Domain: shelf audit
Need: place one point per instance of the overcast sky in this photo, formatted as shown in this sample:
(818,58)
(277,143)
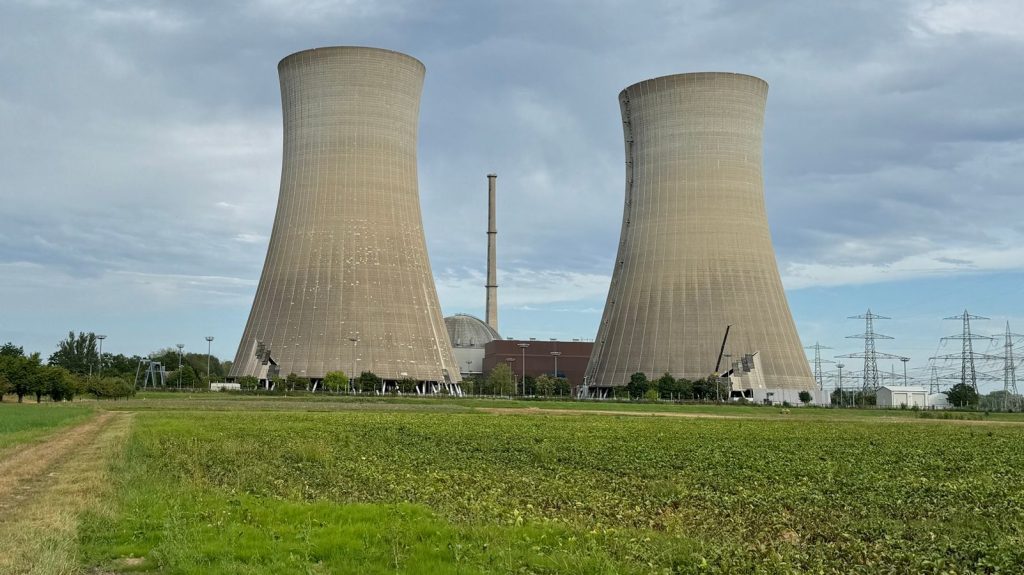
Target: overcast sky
(140,155)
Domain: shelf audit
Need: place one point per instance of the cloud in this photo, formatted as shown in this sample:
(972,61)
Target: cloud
(950,17)
(141,141)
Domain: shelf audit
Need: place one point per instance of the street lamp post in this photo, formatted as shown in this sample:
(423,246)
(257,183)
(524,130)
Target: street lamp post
(101,338)
(840,366)
(904,360)
(555,355)
(209,347)
(510,361)
(523,347)
(351,379)
(180,346)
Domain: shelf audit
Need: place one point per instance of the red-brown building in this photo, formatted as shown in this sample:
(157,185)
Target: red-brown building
(540,357)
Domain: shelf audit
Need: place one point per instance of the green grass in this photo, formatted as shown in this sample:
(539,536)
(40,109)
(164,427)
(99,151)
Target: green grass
(375,491)
(24,422)
(229,401)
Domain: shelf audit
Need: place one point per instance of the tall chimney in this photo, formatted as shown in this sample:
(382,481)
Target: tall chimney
(492,263)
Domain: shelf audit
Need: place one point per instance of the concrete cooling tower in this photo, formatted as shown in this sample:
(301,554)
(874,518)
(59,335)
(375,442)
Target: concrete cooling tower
(347,284)
(695,254)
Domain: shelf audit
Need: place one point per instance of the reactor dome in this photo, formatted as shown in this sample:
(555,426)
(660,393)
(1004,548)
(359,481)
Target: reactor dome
(465,331)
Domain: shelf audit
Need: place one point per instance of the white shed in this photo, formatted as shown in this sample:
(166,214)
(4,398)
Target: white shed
(891,396)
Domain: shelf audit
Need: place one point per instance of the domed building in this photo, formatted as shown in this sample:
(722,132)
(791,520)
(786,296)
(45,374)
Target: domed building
(469,335)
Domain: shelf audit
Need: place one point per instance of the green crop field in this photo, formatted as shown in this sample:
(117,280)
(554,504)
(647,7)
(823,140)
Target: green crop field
(374,487)
(21,423)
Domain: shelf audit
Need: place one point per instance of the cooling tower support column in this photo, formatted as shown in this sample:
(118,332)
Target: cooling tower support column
(347,284)
(695,253)
(492,264)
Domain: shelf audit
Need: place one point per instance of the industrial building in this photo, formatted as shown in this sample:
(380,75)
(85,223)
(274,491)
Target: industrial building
(469,335)
(534,358)
(909,397)
(695,254)
(347,283)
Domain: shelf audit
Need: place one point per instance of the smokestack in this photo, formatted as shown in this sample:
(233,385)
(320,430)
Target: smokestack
(492,263)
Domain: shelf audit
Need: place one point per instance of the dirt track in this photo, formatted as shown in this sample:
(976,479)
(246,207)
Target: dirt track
(23,468)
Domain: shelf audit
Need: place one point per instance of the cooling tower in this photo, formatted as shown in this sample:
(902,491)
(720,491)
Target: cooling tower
(695,254)
(347,283)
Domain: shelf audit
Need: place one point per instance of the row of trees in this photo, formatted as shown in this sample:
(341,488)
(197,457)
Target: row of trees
(668,387)
(334,381)
(25,375)
(79,355)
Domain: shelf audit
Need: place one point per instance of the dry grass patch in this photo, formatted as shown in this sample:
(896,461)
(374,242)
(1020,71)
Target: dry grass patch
(44,488)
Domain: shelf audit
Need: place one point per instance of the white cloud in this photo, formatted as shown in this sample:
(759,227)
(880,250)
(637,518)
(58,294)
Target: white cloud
(931,263)
(1004,18)
(521,288)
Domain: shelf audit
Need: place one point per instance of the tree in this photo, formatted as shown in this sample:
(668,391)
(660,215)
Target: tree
(296,383)
(335,381)
(19,370)
(668,387)
(469,385)
(109,387)
(544,385)
(407,385)
(499,380)
(638,385)
(805,397)
(368,382)
(962,395)
(5,386)
(76,354)
(529,385)
(685,388)
(562,387)
(11,350)
(51,380)
(249,382)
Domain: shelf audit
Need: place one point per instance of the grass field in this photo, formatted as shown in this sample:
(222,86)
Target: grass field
(230,485)
(21,423)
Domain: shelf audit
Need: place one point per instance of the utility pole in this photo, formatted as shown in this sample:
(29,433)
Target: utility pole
(817,347)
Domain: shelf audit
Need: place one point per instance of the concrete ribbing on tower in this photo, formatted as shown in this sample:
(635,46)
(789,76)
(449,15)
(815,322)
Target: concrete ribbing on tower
(347,284)
(492,262)
(695,253)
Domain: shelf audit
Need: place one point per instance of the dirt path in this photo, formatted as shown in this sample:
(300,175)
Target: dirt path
(46,486)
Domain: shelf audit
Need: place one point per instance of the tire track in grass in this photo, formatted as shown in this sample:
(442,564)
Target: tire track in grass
(45,487)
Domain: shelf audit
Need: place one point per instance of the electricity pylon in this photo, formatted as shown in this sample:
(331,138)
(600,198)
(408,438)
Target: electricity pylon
(817,347)
(967,356)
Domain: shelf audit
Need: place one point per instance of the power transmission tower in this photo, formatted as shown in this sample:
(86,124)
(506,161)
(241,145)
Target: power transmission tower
(968,373)
(817,347)
(1011,398)
(933,383)
(870,355)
